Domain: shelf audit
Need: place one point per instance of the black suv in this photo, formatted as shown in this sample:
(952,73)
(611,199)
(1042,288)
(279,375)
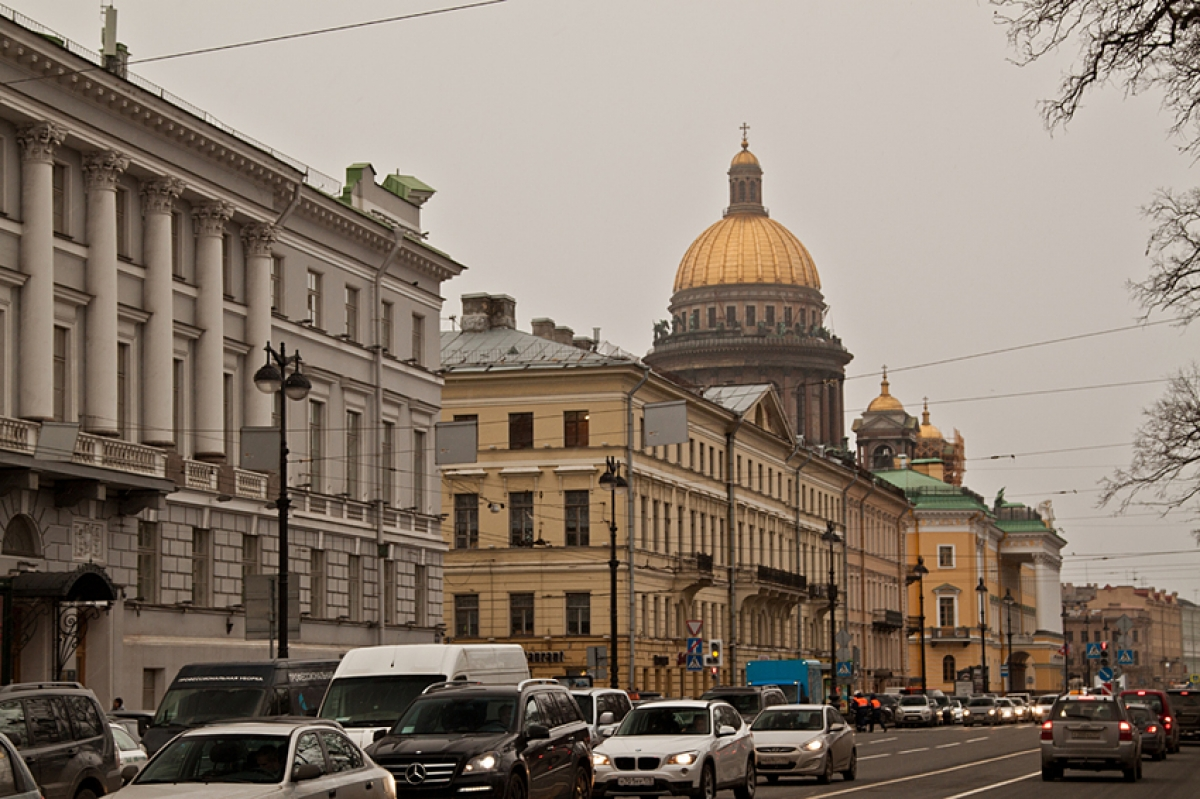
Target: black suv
(60,730)
(507,740)
(748,700)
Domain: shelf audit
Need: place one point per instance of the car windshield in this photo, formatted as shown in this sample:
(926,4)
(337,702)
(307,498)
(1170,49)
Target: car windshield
(218,759)
(1048,699)
(1149,700)
(1186,698)
(1140,714)
(743,703)
(665,720)
(982,701)
(373,701)
(191,707)
(1091,711)
(919,701)
(801,720)
(451,715)
(584,701)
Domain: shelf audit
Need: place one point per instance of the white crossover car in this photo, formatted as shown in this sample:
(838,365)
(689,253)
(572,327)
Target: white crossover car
(804,741)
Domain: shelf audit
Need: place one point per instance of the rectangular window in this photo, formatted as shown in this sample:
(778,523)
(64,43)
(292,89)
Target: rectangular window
(61,373)
(466,521)
(387,465)
(579,614)
(277,283)
(575,428)
(150,678)
(787,316)
(60,199)
(177,402)
(577,507)
(250,556)
(712,318)
(769,311)
(521,613)
(751,313)
(177,270)
(418,339)
(351,313)
(228,401)
(731,316)
(945,557)
(201,566)
(390,578)
(387,326)
(147,561)
(355,587)
(122,222)
(316,576)
(945,611)
(418,467)
(420,594)
(520,431)
(353,453)
(123,391)
(466,615)
(313,301)
(520,518)
(316,445)
(227,265)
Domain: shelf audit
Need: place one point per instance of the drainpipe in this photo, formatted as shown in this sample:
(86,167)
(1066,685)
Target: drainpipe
(731,498)
(799,605)
(291,206)
(381,472)
(629,521)
(846,560)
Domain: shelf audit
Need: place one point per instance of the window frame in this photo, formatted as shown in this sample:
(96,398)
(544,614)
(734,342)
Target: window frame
(946,556)
(575,428)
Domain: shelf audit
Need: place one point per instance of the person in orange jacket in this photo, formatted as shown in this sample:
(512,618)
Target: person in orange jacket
(877,713)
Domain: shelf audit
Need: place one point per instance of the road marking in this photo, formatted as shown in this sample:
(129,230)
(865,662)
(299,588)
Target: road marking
(996,785)
(976,740)
(874,757)
(875,785)
(878,741)
(910,751)
(947,746)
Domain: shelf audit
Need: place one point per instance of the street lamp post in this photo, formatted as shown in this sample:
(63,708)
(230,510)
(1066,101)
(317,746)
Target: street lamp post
(614,482)
(981,589)
(1008,606)
(831,537)
(918,573)
(274,378)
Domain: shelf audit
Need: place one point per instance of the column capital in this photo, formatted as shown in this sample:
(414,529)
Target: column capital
(39,140)
(103,169)
(210,217)
(259,238)
(159,194)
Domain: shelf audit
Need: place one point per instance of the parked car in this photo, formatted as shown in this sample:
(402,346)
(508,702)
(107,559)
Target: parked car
(917,709)
(1186,704)
(1154,737)
(803,741)
(16,780)
(603,709)
(129,751)
(1040,708)
(748,700)
(1160,703)
(981,710)
(956,710)
(60,731)
(263,758)
(692,747)
(1093,733)
(527,739)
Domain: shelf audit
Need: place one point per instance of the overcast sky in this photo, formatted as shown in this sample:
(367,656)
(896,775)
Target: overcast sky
(579,146)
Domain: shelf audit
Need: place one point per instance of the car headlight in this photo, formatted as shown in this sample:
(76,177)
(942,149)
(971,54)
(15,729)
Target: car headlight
(815,745)
(991,712)
(600,759)
(682,759)
(966,712)
(485,762)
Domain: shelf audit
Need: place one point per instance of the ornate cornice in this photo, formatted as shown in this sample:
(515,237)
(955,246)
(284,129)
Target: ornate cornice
(102,170)
(159,195)
(39,141)
(259,238)
(209,217)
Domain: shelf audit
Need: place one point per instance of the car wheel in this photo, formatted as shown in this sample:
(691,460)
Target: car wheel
(827,773)
(582,787)
(85,793)
(515,788)
(1130,774)
(1051,772)
(1161,754)
(749,785)
(708,783)
(851,771)
(1139,769)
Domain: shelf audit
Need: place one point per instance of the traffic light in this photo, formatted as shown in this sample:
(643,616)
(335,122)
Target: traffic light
(1104,653)
(716,652)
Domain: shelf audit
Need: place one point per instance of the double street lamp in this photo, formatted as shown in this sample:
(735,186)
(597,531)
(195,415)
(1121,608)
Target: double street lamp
(981,589)
(1008,606)
(275,378)
(918,574)
(831,537)
(614,482)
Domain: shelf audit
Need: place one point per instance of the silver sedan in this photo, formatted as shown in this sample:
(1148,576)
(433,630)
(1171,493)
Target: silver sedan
(804,741)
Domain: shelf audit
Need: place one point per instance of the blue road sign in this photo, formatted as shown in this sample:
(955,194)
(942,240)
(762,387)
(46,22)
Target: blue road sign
(1093,651)
(1105,674)
(695,646)
(695,662)
(1124,657)
(845,668)
(1004,670)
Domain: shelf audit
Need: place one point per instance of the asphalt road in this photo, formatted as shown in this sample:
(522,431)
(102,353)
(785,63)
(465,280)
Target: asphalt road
(992,763)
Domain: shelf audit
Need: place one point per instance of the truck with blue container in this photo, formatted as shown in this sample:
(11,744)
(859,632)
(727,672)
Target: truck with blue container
(797,678)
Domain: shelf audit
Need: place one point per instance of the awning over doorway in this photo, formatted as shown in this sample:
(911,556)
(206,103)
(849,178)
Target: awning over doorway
(88,583)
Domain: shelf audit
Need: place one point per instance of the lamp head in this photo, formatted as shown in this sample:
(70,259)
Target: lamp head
(981,589)
(296,386)
(1008,598)
(920,570)
(268,379)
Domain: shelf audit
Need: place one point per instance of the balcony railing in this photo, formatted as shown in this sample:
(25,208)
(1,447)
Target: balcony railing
(779,577)
(887,619)
(950,633)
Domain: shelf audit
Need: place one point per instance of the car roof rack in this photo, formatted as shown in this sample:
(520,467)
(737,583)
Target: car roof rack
(538,681)
(448,684)
(38,686)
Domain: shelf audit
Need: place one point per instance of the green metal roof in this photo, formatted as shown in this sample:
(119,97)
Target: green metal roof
(929,493)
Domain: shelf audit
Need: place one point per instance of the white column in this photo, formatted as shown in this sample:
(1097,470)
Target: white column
(158,353)
(1048,590)
(210,219)
(35,351)
(101,171)
(257,239)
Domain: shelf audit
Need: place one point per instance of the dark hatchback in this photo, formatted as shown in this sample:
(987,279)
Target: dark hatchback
(1186,704)
(525,740)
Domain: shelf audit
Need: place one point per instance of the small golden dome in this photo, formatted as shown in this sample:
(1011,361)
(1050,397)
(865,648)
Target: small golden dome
(746,248)
(928,431)
(885,401)
(744,157)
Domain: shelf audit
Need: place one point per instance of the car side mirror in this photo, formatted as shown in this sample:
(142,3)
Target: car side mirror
(607,717)
(836,726)
(725,730)
(379,734)
(128,773)
(306,771)
(537,731)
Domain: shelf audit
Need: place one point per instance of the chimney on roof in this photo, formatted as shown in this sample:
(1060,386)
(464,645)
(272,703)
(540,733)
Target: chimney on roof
(564,335)
(543,328)
(483,312)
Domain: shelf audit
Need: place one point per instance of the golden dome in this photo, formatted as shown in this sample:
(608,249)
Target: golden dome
(885,401)
(746,248)
(745,157)
(927,430)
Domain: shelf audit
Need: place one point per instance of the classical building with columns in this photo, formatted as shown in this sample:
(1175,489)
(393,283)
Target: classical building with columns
(148,254)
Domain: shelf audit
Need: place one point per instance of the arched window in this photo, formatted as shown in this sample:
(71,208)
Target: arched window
(741,191)
(754,192)
(21,538)
(948,670)
(883,458)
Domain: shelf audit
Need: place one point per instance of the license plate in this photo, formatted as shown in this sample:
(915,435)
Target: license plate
(774,761)
(635,782)
(1086,735)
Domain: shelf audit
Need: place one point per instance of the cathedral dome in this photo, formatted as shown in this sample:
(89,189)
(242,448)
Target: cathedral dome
(927,430)
(885,401)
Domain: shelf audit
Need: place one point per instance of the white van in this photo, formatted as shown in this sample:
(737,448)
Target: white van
(374,684)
